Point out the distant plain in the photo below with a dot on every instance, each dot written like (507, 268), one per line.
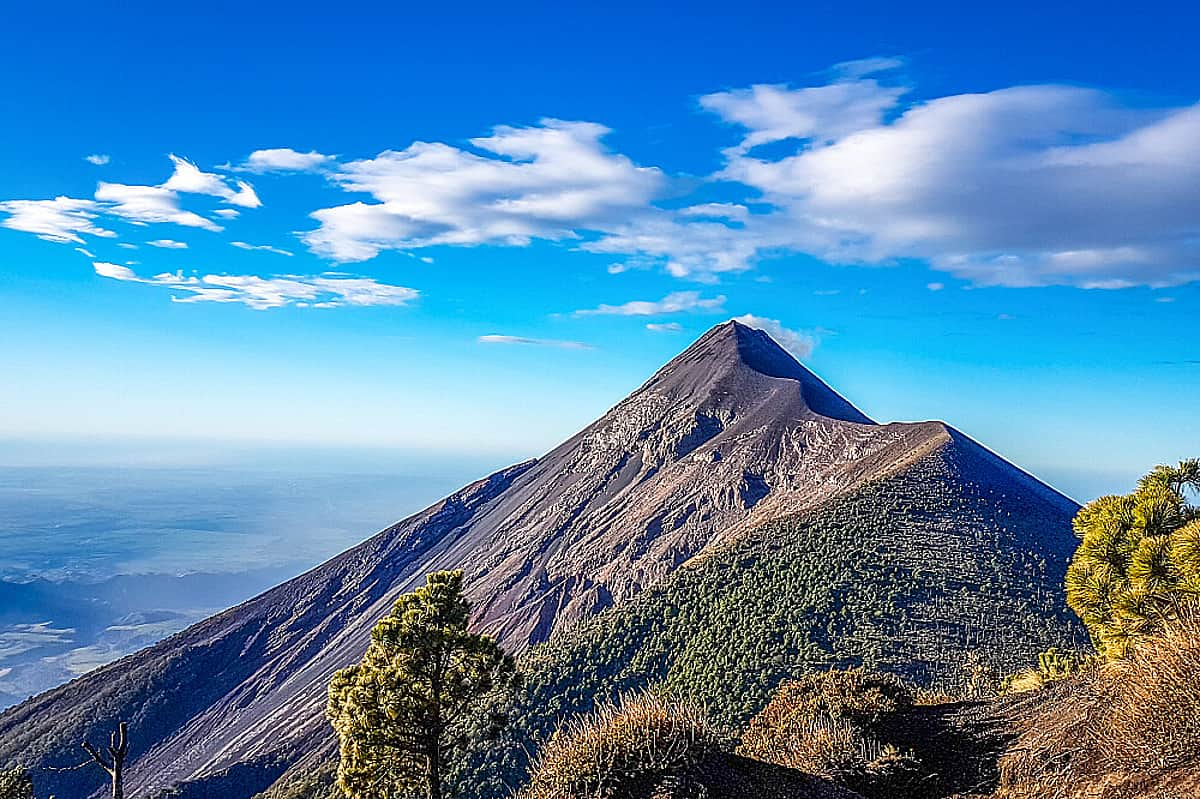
(97, 561)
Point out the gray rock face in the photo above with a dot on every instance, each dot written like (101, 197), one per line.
(730, 434)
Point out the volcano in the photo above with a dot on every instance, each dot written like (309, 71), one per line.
(727, 439)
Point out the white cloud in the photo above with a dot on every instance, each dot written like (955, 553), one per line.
(817, 114)
(330, 290)
(1024, 186)
(861, 67)
(1027, 186)
(550, 182)
(188, 178)
(85, 252)
(66, 219)
(126, 245)
(241, 245)
(675, 302)
(935, 286)
(697, 249)
(284, 159)
(798, 342)
(144, 205)
(537, 342)
(98, 159)
(168, 244)
(664, 327)
(62, 219)
(227, 213)
(115, 271)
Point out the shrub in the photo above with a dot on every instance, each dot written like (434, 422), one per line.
(15, 784)
(1052, 665)
(1139, 714)
(827, 724)
(631, 749)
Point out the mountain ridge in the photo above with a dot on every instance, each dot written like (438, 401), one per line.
(727, 436)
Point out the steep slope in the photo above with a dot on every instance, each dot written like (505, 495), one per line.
(955, 557)
(728, 436)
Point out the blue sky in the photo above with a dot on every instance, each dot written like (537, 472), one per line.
(473, 231)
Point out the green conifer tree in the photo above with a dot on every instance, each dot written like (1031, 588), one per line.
(1138, 561)
(401, 712)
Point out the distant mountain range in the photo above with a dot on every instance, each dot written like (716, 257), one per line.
(732, 521)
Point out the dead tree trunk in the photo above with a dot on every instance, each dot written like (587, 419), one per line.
(118, 750)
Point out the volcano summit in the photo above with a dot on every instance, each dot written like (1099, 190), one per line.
(733, 456)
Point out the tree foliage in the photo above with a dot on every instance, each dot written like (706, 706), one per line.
(400, 712)
(1138, 559)
(15, 784)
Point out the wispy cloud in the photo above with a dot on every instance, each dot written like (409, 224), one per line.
(536, 342)
(815, 114)
(549, 182)
(285, 159)
(241, 245)
(675, 302)
(227, 213)
(799, 343)
(98, 159)
(664, 327)
(189, 178)
(168, 244)
(62, 219)
(330, 290)
(67, 219)
(145, 205)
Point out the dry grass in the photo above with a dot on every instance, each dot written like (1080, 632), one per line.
(1139, 715)
(638, 747)
(825, 724)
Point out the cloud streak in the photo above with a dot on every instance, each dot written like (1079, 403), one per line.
(675, 302)
(534, 342)
(330, 290)
(241, 245)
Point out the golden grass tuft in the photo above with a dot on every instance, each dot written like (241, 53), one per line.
(1137, 715)
(824, 724)
(637, 747)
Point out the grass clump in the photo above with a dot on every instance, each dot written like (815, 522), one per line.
(829, 724)
(642, 746)
(1133, 717)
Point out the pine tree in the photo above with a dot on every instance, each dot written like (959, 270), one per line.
(1138, 561)
(401, 712)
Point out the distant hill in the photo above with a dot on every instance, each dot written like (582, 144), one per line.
(730, 521)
